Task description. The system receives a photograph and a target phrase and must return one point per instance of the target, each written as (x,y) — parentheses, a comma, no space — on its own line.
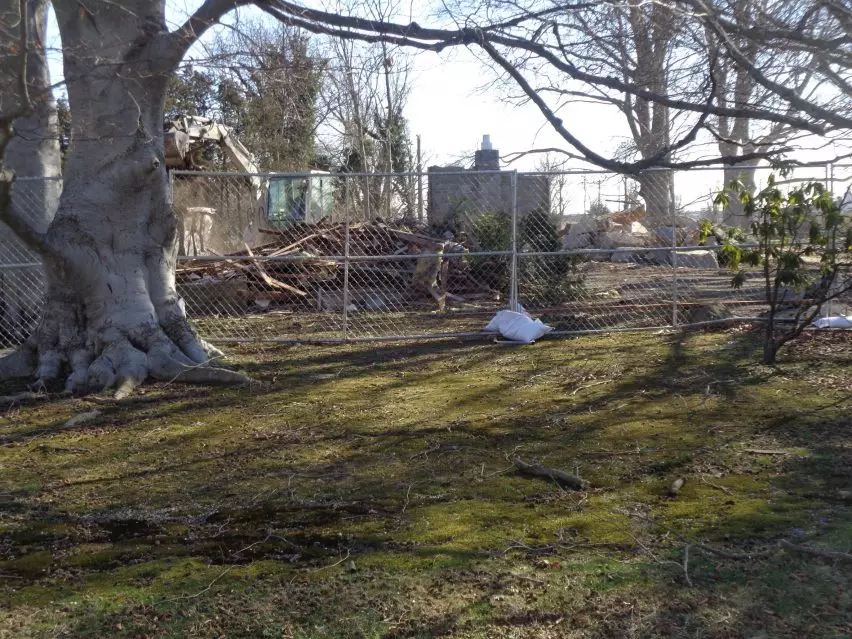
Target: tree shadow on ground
(335,456)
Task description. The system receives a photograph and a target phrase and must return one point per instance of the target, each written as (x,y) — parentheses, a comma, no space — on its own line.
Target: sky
(449,110)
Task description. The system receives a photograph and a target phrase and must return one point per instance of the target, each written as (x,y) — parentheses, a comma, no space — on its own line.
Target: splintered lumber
(414,238)
(295,245)
(294,261)
(562,478)
(271,281)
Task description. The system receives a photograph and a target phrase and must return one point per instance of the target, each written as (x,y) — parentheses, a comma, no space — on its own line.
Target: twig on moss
(725,490)
(686,565)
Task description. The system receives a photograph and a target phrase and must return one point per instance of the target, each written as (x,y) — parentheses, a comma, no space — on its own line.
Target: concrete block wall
(474,192)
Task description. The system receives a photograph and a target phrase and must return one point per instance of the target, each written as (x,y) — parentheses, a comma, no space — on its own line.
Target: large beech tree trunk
(734,214)
(112,316)
(656,189)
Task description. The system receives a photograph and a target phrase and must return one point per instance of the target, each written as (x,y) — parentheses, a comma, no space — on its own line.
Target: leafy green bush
(492,232)
(552,278)
(806,222)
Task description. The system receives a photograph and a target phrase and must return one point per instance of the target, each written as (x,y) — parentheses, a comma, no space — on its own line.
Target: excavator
(188,137)
(271,200)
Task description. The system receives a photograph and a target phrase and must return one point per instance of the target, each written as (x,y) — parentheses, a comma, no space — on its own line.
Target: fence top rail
(464,171)
(449,256)
(468,172)
(377,174)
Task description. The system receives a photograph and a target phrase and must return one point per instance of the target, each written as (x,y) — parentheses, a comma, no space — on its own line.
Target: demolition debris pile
(306,266)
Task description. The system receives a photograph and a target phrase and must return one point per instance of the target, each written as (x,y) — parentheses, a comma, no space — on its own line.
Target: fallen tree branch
(725,490)
(44,448)
(686,565)
(764,451)
(209,586)
(579,388)
(21,397)
(780,545)
(560,477)
(816,552)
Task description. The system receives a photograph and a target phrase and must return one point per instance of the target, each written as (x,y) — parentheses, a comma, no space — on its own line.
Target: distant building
(483,189)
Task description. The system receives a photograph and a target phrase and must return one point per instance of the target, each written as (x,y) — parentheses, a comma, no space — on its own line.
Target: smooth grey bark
(652,30)
(734,214)
(112,316)
(656,188)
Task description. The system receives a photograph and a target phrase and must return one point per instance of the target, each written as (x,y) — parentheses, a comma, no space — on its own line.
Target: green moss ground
(364,491)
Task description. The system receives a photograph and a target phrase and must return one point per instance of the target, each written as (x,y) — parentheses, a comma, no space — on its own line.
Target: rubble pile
(305,265)
(628,230)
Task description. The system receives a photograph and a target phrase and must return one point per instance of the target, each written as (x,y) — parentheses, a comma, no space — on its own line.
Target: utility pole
(419,182)
(388,64)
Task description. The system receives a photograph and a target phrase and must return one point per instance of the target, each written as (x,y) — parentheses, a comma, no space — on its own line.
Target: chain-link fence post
(170,190)
(346,217)
(828,308)
(513,275)
(673,262)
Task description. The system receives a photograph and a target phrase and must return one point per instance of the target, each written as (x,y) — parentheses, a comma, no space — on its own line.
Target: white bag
(518,327)
(836,321)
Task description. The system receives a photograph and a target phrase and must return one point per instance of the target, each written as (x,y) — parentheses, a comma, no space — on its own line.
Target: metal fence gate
(342,257)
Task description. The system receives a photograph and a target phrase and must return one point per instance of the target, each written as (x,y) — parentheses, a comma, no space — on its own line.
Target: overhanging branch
(173,46)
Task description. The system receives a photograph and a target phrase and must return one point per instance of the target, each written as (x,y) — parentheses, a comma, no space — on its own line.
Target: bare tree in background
(554,166)
(365,94)
(635,41)
(538,31)
(794,67)
(268,79)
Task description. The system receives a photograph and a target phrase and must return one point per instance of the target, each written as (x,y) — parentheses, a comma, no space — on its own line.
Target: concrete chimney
(486,158)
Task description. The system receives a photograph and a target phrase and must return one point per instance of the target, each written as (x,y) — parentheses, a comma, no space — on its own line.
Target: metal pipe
(650,249)
(513,274)
(346,262)
(673,259)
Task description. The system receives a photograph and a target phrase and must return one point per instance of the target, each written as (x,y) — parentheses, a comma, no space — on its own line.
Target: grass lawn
(366,491)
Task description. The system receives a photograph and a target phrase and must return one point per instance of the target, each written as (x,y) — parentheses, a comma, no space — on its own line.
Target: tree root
(116,359)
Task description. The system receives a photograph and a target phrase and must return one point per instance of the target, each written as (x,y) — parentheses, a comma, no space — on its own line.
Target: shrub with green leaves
(551,278)
(492,232)
(803,254)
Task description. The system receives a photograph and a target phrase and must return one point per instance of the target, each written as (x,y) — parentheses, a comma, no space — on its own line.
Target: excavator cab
(282,198)
(299,198)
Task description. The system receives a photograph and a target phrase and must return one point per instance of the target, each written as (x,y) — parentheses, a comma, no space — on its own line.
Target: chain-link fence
(21,276)
(324,257)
